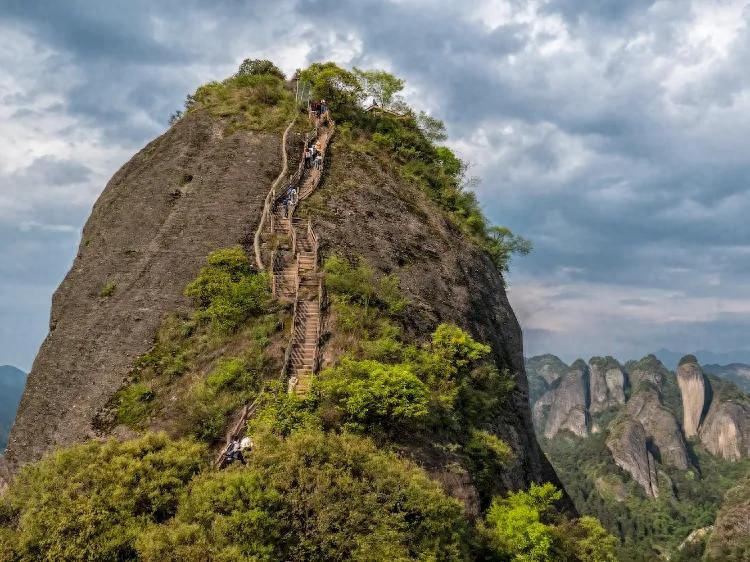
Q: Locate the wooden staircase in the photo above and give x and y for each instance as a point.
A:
(295, 273)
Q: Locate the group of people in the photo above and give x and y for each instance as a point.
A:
(236, 450)
(314, 156)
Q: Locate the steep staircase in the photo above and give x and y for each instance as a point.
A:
(295, 276)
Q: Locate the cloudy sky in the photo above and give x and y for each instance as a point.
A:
(612, 134)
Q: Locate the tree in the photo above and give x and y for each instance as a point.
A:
(502, 244)
(380, 85)
(373, 394)
(93, 501)
(517, 527)
(339, 87)
(256, 67)
(431, 127)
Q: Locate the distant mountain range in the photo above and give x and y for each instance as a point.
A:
(12, 382)
(648, 450)
(672, 358)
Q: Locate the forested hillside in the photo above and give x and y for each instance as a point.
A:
(648, 451)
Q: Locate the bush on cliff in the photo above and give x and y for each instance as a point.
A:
(311, 496)
(92, 501)
(227, 291)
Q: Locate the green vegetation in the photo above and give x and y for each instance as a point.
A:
(202, 368)
(256, 98)
(93, 501)
(135, 405)
(108, 290)
(407, 139)
(525, 525)
(227, 291)
(646, 527)
(259, 67)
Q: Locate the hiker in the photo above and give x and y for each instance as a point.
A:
(315, 107)
(308, 157)
(292, 195)
(323, 107)
(233, 452)
(319, 162)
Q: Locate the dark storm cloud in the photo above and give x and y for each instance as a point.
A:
(610, 133)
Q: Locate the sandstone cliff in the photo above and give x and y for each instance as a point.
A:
(542, 371)
(628, 444)
(661, 426)
(726, 429)
(607, 383)
(192, 190)
(200, 187)
(568, 403)
(693, 391)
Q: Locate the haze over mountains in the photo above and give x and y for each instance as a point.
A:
(672, 358)
(12, 382)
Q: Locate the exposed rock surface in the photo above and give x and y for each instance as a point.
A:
(542, 372)
(628, 444)
(649, 369)
(726, 429)
(194, 190)
(364, 208)
(606, 383)
(568, 403)
(661, 426)
(189, 192)
(693, 392)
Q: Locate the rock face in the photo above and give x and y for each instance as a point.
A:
(693, 391)
(189, 192)
(606, 383)
(726, 430)
(568, 403)
(628, 444)
(661, 426)
(542, 372)
(198, 188)
(365, 209)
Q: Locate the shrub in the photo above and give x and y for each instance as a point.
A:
(313, 496)
(93, 501)
(371, 394)
(108, 290)
(255, 67)
(358, 284)
(227, 292)
(517, 527)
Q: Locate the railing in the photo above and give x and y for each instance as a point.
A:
(290, 345)
(316, 354)
(312, 237)
(267, 204)
(247, 412)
